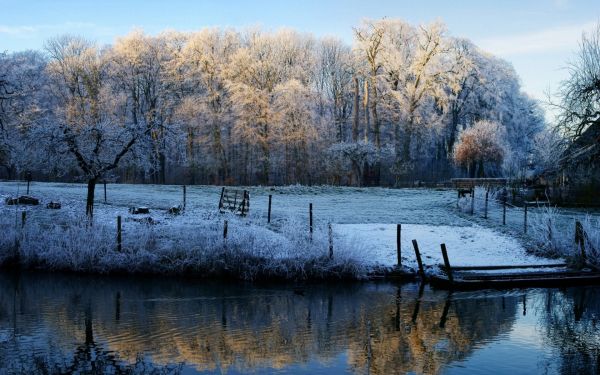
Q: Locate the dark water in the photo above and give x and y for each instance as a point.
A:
(66, 323)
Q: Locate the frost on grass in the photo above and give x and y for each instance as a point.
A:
(591, 230)
(556, 241)
(494, 200)
(250, 252)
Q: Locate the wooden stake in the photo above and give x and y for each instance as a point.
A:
(447, 263)
(580, 240)
(23, 218)
(504, 208)
(330, 230)
(104, 191)
(119, 235)
(269, 214)
(472, 200)
(486, 204)
(28, 176)
(221, 200)
(419, 261)
(184, 197)
(525, 218)
(310, 218)
(399, 244)
(225, 230)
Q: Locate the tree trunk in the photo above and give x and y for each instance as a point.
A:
(376, 124)
(366, 110)
(355, 122)
(91, 187)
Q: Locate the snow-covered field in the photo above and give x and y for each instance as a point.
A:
(363, 220)
(473, 246)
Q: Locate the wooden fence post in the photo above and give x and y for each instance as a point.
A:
(221, 199)
(269, 214)
(472, 200)
(525, 217)
(105, 192)
(28, 177)
(504, 208)
(580, 239)
(486, 204)
(310, 218)
(399, 244)
(184, 197)
(419, 261)
(330, 230)
(119, 235)
(447, 263)
(225, 230)
(23, 218)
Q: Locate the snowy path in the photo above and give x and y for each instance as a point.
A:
(474, 245)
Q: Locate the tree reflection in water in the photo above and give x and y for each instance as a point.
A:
(132, 325)
(571, 326)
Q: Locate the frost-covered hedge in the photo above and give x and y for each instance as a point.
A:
(250, 251)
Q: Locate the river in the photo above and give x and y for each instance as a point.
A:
(57, 323)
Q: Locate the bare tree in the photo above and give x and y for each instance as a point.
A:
(87, 117)
(580, 103)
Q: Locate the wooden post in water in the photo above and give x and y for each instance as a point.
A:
(184, 197)
(330, 230)
(225, 230)
(269, 214)
(310, 219)
(23, 218)
(486, 203)
(105, 192)
(419, 261)
(399, 244)
(525, 217)
(447, 263)
(119, 235)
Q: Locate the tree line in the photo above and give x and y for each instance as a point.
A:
(223, 106)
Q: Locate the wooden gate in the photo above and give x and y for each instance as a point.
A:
(234, 200)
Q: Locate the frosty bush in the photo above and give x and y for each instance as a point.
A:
(591, 230)
(250, 251)
(548, 238)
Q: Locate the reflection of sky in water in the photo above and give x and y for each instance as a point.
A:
(71, 322)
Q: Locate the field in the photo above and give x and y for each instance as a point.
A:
(363, 220)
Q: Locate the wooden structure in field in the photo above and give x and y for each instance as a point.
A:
(234, 200)
(466, 186)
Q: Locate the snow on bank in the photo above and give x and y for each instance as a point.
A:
(472, 246)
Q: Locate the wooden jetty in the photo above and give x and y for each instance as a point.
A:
(469, 281)
(511, 276)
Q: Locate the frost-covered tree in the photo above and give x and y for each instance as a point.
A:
(23, 105)
(90, 125)
(579, 104)
(255, 106)
(480, 149)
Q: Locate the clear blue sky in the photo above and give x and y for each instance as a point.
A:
(537, 36)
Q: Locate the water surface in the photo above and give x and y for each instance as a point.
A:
(69, 323)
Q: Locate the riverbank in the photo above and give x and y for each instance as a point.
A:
(362, 243)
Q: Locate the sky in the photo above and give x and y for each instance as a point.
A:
(539, 37)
